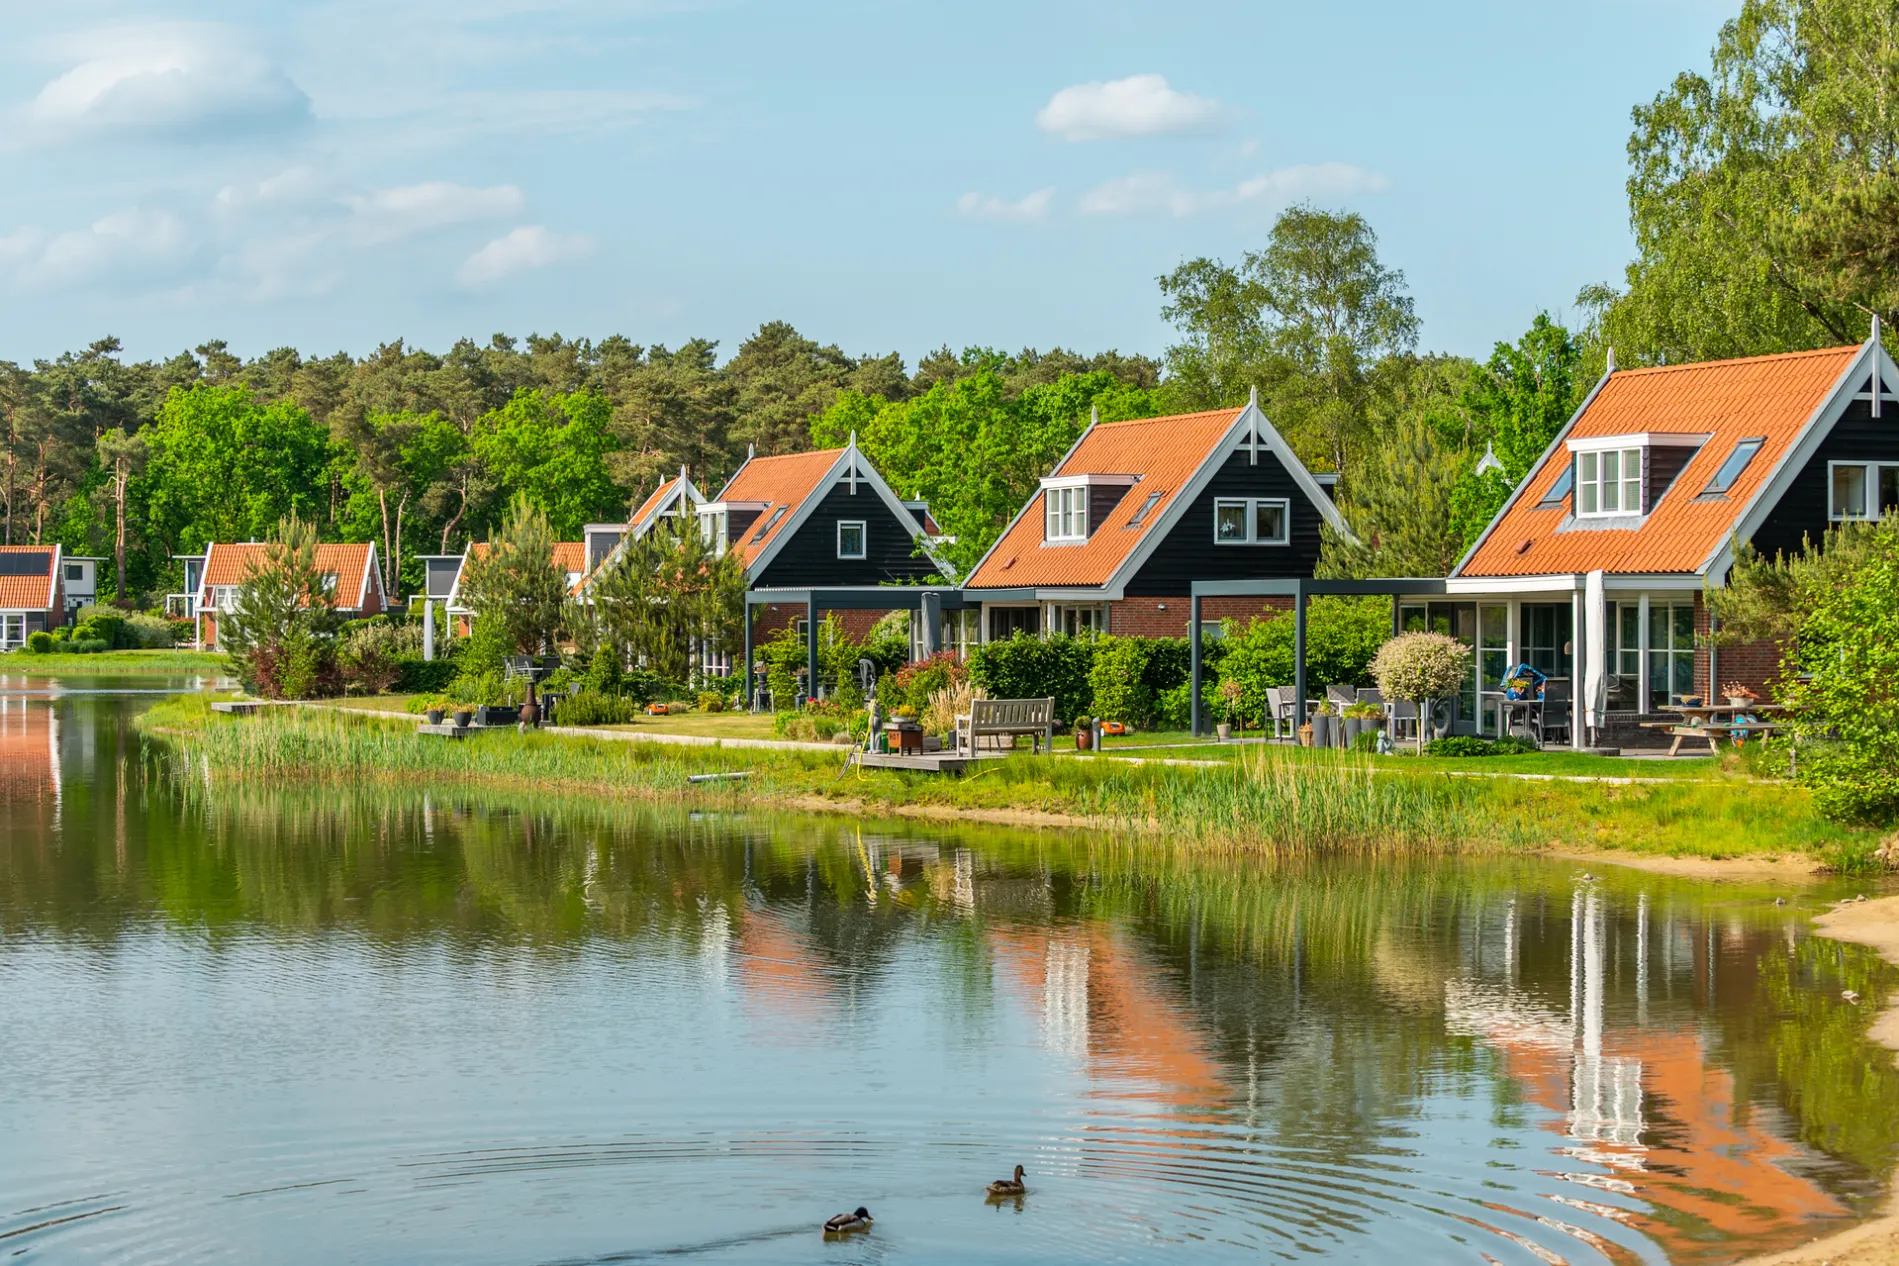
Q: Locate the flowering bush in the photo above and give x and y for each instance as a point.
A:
(1420, 667)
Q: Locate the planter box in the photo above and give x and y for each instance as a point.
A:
(903, 737)
(1324, 731)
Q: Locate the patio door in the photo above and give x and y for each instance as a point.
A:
(1493, 661)
(1459, 620)
(1546, 638)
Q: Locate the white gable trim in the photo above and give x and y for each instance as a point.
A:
(849, 462)
(1529, 477)
(1872, 358)
(1252, 431)
(682, 487)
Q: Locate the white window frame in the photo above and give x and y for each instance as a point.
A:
(12, 631)
(224, 597)
(1250, 507)
(863, 538)
(1591, 482)
(1869, 491)
(1065, 514)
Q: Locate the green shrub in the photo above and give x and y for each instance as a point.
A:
(1471, 745)
(1117, 680)
(710, 701)
(146, 632)
(1838, 675)
(419, 676)
(1173, 709)
(604, 671)
(590, 707)
(912, 685)
(104, 626)
(39, 642)
(89, 646)
(1026, 667)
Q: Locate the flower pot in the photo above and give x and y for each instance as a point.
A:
(462, 717)
(434, 715)
(1324, 731)
(1741, 701)
(1354, 726)
(1305, 735)
(1224, 730)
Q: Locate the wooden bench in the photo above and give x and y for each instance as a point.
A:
(998, 718)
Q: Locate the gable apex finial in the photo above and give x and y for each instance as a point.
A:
(1094, 415)
(751, 450)
(1252, 396)
(1873, 338)
(1610, 367)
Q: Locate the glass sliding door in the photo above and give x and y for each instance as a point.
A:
(1624, 656)
(1671, 654)
(1493, 661)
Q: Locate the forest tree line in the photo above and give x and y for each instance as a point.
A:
(1762, 198)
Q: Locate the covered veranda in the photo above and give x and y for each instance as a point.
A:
(928, 601)
(1605, 634)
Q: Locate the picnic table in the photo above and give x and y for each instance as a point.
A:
(1711, 720)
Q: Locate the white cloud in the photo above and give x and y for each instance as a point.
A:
(1140, 105)
(177, 80)
(385, 215)
(149, 246)
(530, 246)
(979, 206)
(1156, 193)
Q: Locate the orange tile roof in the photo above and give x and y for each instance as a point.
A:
(1164, 452)
(28, 593)
(570, 557)
(1771, 396)
(653, 502)
(231, 565)
(782, 481)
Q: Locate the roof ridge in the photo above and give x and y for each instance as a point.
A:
(1738, 360)
(1172, 417)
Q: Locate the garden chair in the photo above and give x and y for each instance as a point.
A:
(1340, 697)
(1403, 716)
(1553, 719)
(1282, 709)
(1371, 695)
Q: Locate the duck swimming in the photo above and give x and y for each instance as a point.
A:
(848, 1223)
(1009, 1186)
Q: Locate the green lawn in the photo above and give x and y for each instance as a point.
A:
(1180, 745)
(115, 664)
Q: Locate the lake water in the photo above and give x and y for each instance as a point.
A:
(255, 1024)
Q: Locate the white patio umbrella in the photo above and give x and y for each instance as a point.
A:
(1594, 700)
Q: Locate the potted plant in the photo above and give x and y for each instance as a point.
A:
(464, 714)
(1359, 718)
(903, 732)
(1325, 728)
(1230, 692)
(1739, 695)
(434, 711)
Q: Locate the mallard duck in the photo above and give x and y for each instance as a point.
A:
(1009, 1186)
(849, 1223)
(1851, 995)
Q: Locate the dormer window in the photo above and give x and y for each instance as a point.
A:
(712, 529)
(1609, 482)
(1067, 511)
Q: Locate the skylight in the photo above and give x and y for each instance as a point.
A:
(1153, 499)
(769, 524)
(1731, 469)
(1560, 492)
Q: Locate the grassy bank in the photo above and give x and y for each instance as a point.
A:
(116, 664)
(1269, 799)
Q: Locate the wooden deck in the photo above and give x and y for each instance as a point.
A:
(927, 762)
(239, 707)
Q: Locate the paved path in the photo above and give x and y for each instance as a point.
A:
(618, 736)
(788, 745)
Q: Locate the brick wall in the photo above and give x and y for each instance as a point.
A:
(775, 616)
(1167, 617)
(1755, 664)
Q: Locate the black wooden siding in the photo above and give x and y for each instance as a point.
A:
(810, 558)
(1857, 436)
(1665, 462)
(1102, 499)
(1188, 553)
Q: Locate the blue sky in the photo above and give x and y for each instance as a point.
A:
(333, 175)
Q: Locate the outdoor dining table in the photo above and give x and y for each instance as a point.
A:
(1711, 720)
(1512, 711)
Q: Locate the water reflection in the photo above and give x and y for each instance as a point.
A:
(502, 1029)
